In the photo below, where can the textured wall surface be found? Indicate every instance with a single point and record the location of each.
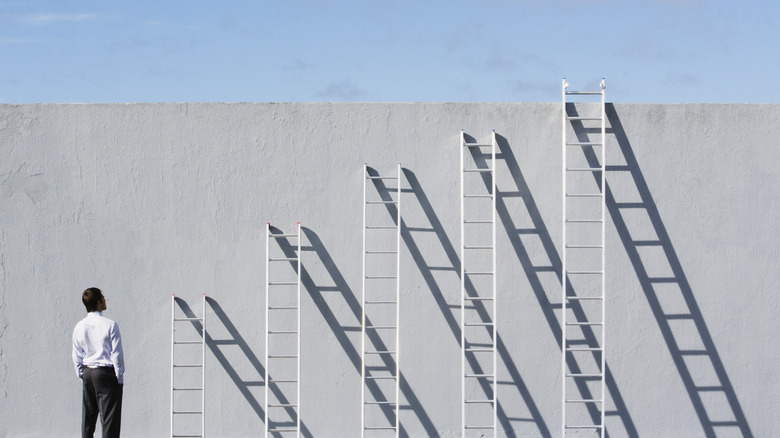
(149, 200)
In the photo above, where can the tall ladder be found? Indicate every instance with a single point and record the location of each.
(583, 290)
(283, 329)
(478, 287)
(380, 343)
(182, 381)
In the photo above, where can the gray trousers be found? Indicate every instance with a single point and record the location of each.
(102, 395)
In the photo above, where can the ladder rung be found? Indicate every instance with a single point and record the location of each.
(381, 327)
(286, 259)
(187, 436)
(580, 221)
(478, 376)
(381, 252)
(585, 349)
(477, 145)
(584, 323)
(381, 177)
(478, 324)
(283, 430)
(582, 118)
(188, 319)
(478, 170)
(380, 302)
(380, 202)
(595, 426)
(380, 377)
(478, 196)
(479, 350)
(593, 400)
(188, 389)
(585, 272)
(380, 352)
(478, 298)
(583, 93)
(584, 246)
(283, 332)
(584, 298)
(282, 236)
(187, 342)
(583, 195)
(283, 356)
(478, 427)
(479, 401)
(188, 366)
(477, 222)
(381, 227)
(282, 308)
(188, 412)
(584, 169)
(584, 143)
(283, 405)
(282, 381)
(380, 403)
(283, 283)
(478, 273)
(585, 375)
(380, 277)
(379, 428)
(477, 247)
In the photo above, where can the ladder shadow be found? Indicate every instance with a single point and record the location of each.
(236, 339)
(341, 330)
(552, 264)
(449, 311)
(658, 289)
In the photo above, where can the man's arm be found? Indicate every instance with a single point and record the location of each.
(77, 355)
(117, 356)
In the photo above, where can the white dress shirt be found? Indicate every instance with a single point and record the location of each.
(97, 343)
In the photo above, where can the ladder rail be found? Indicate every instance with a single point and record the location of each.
(398, 305)
(173, 344)
(495, 285)
(298, 400)
(363, 316)
(603, 255)
(267, 337)
(462, 287)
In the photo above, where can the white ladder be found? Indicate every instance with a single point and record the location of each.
(583, 291)
(188, 387)
(478, 287)
(282, 322)
(379, 358)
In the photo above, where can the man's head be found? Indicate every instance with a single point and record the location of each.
(93, 300)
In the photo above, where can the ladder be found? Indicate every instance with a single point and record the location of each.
(380, 304)
(583, 281)
(478, 287)
(184, 382)
(283, 334)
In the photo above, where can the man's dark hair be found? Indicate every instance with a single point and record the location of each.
(91, 298)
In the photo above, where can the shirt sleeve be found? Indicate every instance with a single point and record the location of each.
(77, 355)
(117, 356)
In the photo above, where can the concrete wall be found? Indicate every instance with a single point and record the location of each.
(149, 200)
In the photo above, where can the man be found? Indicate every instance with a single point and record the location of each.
(99, 362)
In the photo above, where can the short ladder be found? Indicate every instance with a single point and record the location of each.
(188, 374)
(478, 287)
(283, 332)
(583, 262)
(380, 303)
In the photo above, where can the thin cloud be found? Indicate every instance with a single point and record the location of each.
(44, 19)
(342, 90)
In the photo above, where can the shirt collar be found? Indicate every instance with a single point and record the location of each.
(96, 312)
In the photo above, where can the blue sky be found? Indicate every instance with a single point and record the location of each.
(388, 51)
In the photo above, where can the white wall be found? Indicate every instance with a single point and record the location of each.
(146, 200)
